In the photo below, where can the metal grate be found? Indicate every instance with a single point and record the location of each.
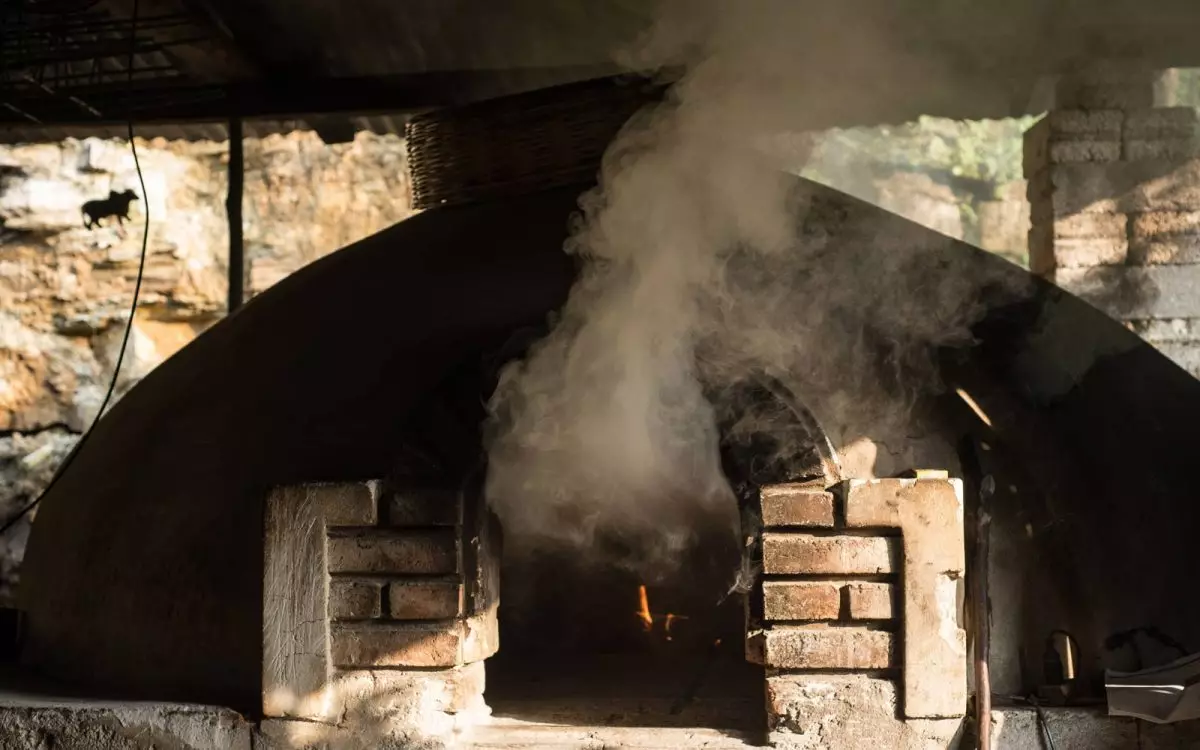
(63, 58)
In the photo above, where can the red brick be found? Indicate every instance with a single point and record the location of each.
(347, 503)
(354, 599)
(820, 647)
(796, 505)
(800, 554)
(871, 601)
(385, 644)
(801, 600)
(420, 600)
(426, 552)
(424, 506)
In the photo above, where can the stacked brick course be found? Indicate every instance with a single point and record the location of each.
(379, 602)
(1114, 188)
(861, 592)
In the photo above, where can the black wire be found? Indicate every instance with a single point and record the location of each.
(137, 289)
(1043, 725)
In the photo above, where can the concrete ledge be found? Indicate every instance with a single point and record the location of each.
(67, 724)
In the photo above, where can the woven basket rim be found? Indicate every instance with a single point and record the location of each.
(559, 95)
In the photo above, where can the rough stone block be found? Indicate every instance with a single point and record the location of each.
(796, 505)
(1161, 122)
(384, 644)
(349, 503)
(354, 599)
(424, 506)
(820, 647)
(1118, 187)
(425, 600)
(1047, 252)
(801, 600)
(1171, 329)
(847, 712)
(1045, 144)
(1174, 251)
(1161, 148)
(1105, 87)
(800, 554)
(425, 552)
(871, 601)
(1131, 292)
(37, 722)
(1159, 224)
(1089, 226)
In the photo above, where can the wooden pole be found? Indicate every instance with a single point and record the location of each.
(233, 207)
(983, 682)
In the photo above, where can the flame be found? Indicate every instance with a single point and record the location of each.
(643, 612)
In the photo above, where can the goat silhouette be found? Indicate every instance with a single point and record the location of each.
(116, 204)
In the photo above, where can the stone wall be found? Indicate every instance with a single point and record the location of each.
(65, 290)
(1113, 185)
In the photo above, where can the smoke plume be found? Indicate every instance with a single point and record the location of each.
(703, 265)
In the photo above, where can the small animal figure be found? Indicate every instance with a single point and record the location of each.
(116, 204)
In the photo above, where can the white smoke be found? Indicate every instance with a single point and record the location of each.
(697, 273)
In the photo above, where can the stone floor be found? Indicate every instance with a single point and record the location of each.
(35, 719)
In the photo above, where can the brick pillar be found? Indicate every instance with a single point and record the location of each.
(858, 617)
(1114, 191)
(379, 607)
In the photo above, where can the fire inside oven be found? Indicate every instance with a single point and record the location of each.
(597, 639)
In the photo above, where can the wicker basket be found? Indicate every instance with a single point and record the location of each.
(520, 144)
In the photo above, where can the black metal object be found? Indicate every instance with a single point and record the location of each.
(178, 99)
(53, 55)
(233, 207)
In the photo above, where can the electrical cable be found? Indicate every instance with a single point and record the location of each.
(137, 289)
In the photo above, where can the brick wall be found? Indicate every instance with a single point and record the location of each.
(379, 607)
(858, 616)
(1114, 188)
